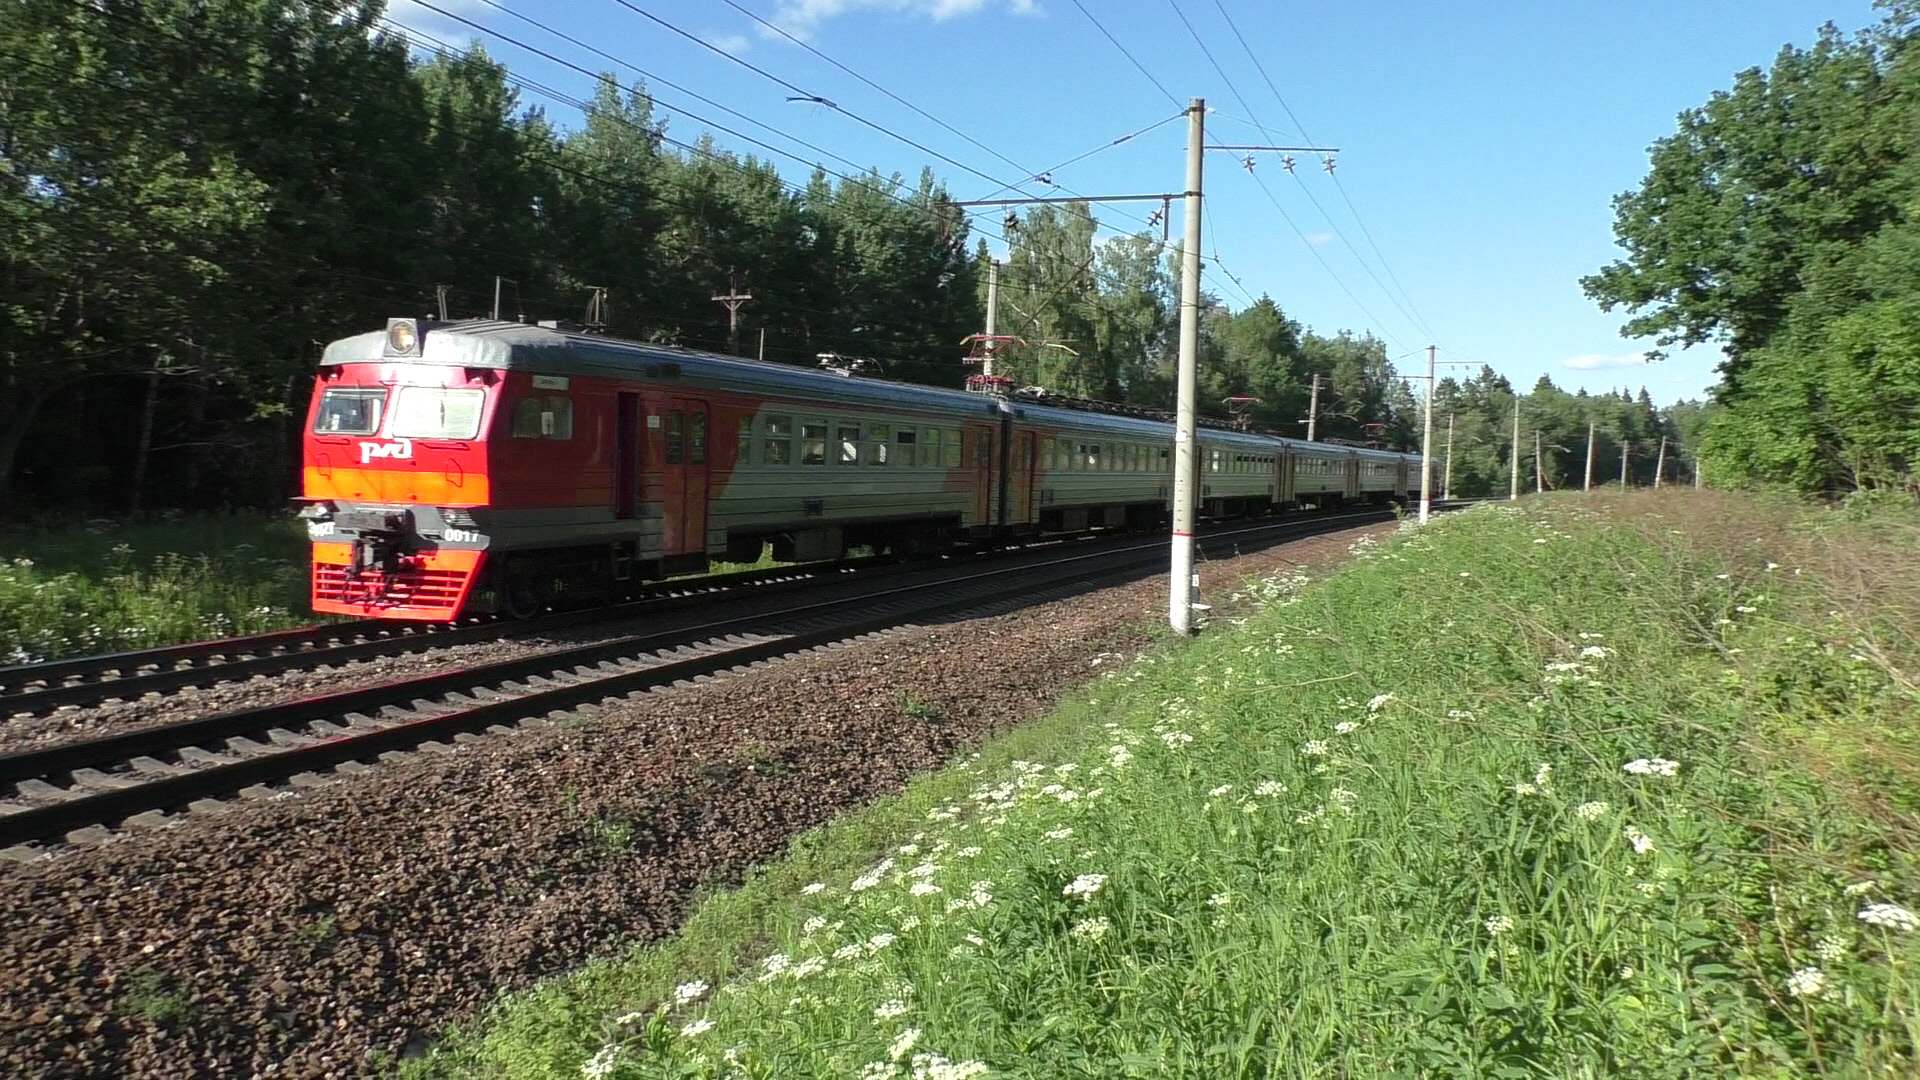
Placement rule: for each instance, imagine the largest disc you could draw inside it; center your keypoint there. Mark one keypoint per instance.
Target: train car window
(697, 437)
(952, 448)
(850, 444)
(350, 412)
(878, 435)
(929, 446)
(676, 437)
(813, 443)
(543, 418)
(904, 441)
(983, 450)
(1090, 456)
(429, 412)
(779, 441)
(746, 441)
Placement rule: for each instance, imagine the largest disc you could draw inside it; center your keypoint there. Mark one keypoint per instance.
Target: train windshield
(350, 412)
(428, 412)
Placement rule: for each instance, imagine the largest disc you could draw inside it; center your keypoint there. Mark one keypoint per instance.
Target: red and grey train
(457, 468)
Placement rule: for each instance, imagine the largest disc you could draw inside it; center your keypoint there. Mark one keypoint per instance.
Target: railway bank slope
(1573, 787)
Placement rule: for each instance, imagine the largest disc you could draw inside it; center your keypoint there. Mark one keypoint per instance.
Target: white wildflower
(1314, 748)
(924, 888)
(1652, 767)
(908, 849)
(601, 1064)
(924, 870)
(878, 942)
(1381, 701)
(1269, 788)
(878, 1070)
(1220, 899)
(848, 952)
(1808, 982)
(1596, 652)
(1219, 791)
(902, 1045)
(813, 888)
(1890, 916)
(1641, 842)
(1833, 948)
(1543, 775)
(1589, 811)
(1345, 727)
(1091, 929)
(889, 1009)
(1175, 739)
(1085, 886)
(1524, 789)
(967, 852)
(689, 991)
(1498, 924)
(698, 1027)
(813, 925)
(1061, 833)
(1858, 888)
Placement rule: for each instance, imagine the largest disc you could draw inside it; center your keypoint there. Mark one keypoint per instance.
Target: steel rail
(145, 793)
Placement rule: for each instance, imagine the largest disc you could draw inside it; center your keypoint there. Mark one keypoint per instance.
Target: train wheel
(525, 593)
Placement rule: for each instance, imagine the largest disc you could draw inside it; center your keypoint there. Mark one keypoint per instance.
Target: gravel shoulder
(312, 935)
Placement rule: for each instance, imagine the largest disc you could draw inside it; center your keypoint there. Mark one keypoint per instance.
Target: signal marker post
(1180, 591)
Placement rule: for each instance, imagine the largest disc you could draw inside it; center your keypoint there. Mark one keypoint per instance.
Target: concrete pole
(1446, 486)
(1660, 464)
(1426, 448)
(1180, 582)
(1589, 484)
(1625, 448)
(1313, 407)
(1513, 481)
(1539, 474)
(993, 313)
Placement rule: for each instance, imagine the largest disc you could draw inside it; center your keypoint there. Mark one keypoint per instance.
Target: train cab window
(850, 444)
(983, 450)
(904, 441)
(746, 441)
(878, 436)
(543, 418)
(779, 441)
(950, 445)
(697, 437)
(350, 412)
(429, 412)
(929, 446)
(676, 437)
(813, 443)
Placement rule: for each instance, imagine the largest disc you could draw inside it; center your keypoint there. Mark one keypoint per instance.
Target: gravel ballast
(314, 934)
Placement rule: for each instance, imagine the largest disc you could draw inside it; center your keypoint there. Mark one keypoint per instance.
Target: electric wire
(1123, 52)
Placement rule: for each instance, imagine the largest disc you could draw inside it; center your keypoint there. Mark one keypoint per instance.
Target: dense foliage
(1780, 221)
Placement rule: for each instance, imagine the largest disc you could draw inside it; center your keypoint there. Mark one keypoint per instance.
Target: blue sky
(1480, 143)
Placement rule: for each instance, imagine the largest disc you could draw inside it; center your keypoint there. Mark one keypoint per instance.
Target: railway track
(34, 689)
(78, 791)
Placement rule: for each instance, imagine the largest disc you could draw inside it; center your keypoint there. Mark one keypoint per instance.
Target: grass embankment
(1573, 789)
(108, 586)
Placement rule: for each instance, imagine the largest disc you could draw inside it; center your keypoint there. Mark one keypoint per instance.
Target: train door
(1353, 475)
(1025, 461)
(979, 443)
(683, 478)
(626, 457)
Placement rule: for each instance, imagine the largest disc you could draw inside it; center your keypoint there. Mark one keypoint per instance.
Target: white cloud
(1319, 238)
(731, 44)
(801, 17)
(1593, 361)
(416, 18)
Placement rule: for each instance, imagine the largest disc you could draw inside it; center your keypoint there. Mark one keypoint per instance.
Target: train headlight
(403, 337)
(458, 518)
(318, 510)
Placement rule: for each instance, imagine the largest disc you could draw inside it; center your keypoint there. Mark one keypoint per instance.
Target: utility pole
(1660, 464)
(1313, 407)
(1696, 471)
(1539, 474)
(440, 294)
(1589, 484)
(1625, 448)
(1180, 583)
(1426, 447)
(733, 299)
(1446, 486)
(1513, 481)
(763, 344)
(993, 315)
(497, 279)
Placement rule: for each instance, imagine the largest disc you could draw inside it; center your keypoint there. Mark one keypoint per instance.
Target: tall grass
(1565, 790)
(105, 586)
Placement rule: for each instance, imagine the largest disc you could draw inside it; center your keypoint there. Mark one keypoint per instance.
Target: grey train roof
(513, 346)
